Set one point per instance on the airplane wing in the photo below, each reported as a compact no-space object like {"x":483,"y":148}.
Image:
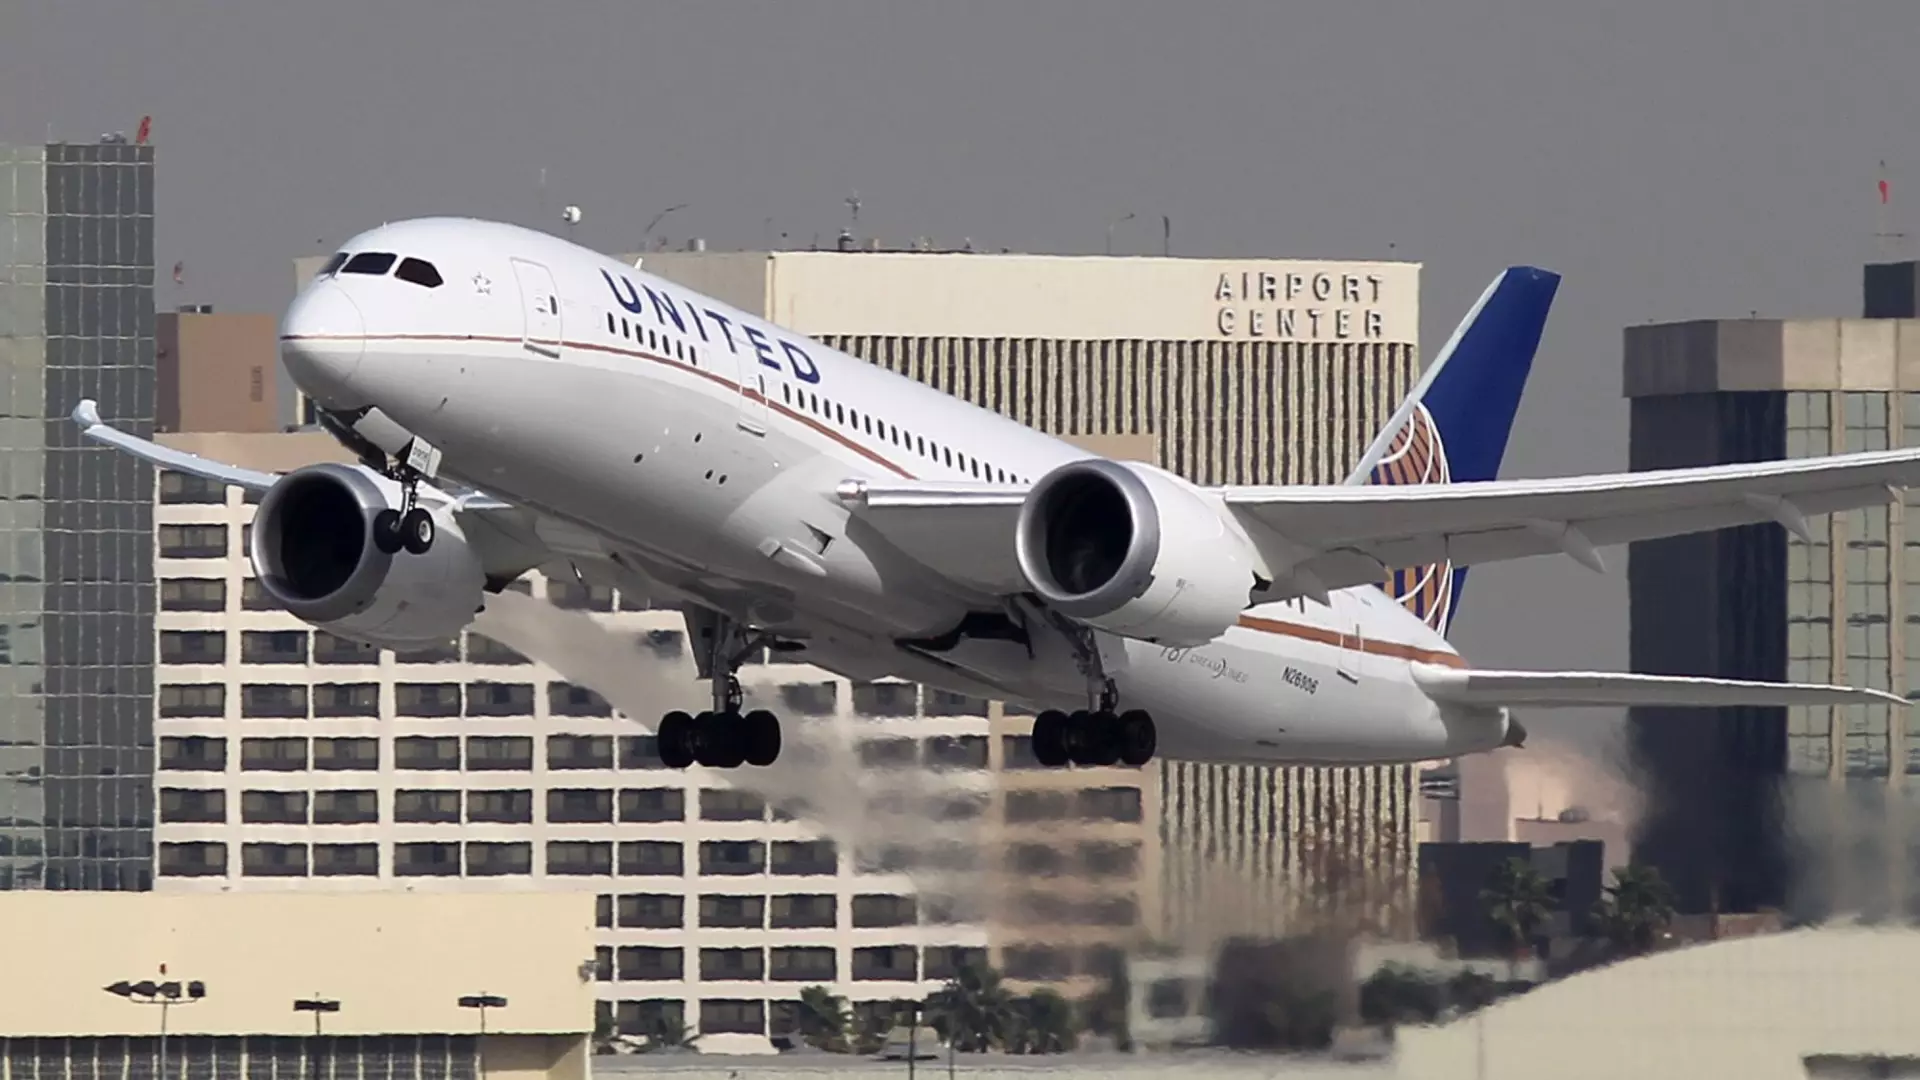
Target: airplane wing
{"x":1577,"y":689}
{"x":1319,"y":538}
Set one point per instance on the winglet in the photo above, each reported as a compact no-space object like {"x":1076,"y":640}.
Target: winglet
{"x":87,"y":413}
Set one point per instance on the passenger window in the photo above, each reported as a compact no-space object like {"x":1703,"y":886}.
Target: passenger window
{"x":949,"y":457}
{"x":419,"y":272}
{"x":840,"y":412}
{"x":369,"y":262}
{"x":333,"y":265}
{"x":609,"y":322}
{"x":786,"y":393}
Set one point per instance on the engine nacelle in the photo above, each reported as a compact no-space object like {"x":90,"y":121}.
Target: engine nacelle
{"x":314,"y":553}
{"x":1135,"y":550}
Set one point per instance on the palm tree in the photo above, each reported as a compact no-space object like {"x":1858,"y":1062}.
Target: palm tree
{"x":1104,"y":1012}
{"x":1043,"y":1024}
{"x":1635,"y":910}
{"x":663,"y":1032}
{"x":603,"y":1030}
{"x":973,"y":1010}
{"x":825,"y":1022}
{"x":1518,"y":901}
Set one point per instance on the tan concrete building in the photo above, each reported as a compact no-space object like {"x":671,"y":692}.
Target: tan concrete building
{"x":396,"y":964}
{"x":216,"y":371}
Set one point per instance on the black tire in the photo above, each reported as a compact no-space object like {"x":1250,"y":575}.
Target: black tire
{"x":416,"y":531}
{"x":720,"y":744}
{"x":676,"y":740}
{"x":1100,"y":741}
{"x":1050,"y":738}
{"x":1139,"y":738}
{"x":760,"y":736}
{"x":386,"y":532}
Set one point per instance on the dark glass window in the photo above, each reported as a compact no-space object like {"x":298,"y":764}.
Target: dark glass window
{"x":369,"y":262}
{"x":333,"y":265}
{"x":418,"y":271}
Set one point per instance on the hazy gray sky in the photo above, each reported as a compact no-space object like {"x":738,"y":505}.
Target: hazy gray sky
{"x":1672,"y":159}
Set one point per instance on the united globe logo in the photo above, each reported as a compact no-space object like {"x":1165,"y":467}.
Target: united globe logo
{"x":1418,"y":456}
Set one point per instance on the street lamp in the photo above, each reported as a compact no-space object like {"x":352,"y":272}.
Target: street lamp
{"x":318,"y":1006}
{"x":164,"y":994}
{"x":483,"y":1002}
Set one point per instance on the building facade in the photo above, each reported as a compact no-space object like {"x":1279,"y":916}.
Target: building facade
{"x":217,"y":371}
{"x":76,"y":569}
{"x":1756,"y":808}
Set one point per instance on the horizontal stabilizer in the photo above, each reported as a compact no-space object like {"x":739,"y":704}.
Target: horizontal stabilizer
{"x":1577,"y":689}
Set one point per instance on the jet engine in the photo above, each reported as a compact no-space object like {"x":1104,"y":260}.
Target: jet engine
{"x":1136,"y":551}
{"x":313,"y":550}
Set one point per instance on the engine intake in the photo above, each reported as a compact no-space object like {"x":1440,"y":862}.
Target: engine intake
{"x":1136,"y":551}
{"x":314,"y":554}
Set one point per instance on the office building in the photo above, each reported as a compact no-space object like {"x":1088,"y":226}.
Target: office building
{"x":1733,"y":792}
{"x":76,"y":521}
{"x":296,"y":986}
{"x":217,"y":371}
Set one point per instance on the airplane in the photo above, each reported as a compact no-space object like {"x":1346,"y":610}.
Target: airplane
{"x":516,"y":402}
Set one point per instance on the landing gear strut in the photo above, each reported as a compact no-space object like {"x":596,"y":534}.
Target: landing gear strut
{"x":722,"y":738}
{"x":1096,"y":737}
{"x":411,"y":526}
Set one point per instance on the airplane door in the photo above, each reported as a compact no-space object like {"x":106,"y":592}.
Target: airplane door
{"x":754,"y":388}
{"x":540,"y":303}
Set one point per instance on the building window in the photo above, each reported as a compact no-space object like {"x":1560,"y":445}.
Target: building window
{"x":273,"y":860}
{"x":193,"y":541}
{"x":255,"y":598}
{"x":193,"y":753}
{"x":640,"y":752}
{"x":947,"y":703}
{"x":652,"y":804}
{"x":204,"y":700}
{"x":1038,"y":963}
{"x":733,"y":912}
{"x":579,"y":806}
{"x":274,"y":807}
{"x":566,"y":699}
{"x":178,"y":487}
{"x":345,"y":807}
{"x":1024,"y":807}
{"x":334,"y":649}
{"x":426,"y":806}
{"x":1035,"y":860}
{"x":1106,"y":859}
{"x":500,"y":807}
{"x":886,"y":963}
{"x":725,"y":1016}
{"x":652,"y":911}
{"x":882,"y":910}
{"x":346,"y":860}
{"x":579,"y":857}
{"x":733,"y":857}
{"x":948,"y":961}
{"x":1016,"y":752}
{"x":886,"y":699}
{"x":731,"y":804}
{"x":804,"y":911}
{"x":810,"y":699}
{"x":446,"y":652}
{"x":648,"y":963}
{"x":354,"y":753}
{"x":575,"y":596}
{"x":427,"y":700}
{"x":193,"y":806}
{"x":193,"y":647}
{"x":652,"y":858}
{"x":892,"y":753}
{"x":273,"y":755}
{"x":957,"y":752}
{"x":426,"y":752}
{"x":426,"y":860}
{"x":482,"y":649}
{"x":193,"y":594}
{"x":499,"y":753}
{"x":1110,"y":804}
{"x":283,"y":701}
{"x":499,"y":699}
{"x":720,"y":965}
{"x":346,"y":699}
{"x":805,"y":858}
{"x":579,"y":751}
{"x":199,"y":859}
{"x":273,"y":646}
{"x":489,"y":859}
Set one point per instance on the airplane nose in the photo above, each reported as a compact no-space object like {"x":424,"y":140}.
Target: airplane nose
{"x":322,"y":338}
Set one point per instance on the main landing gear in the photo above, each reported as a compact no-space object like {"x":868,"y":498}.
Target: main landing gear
{"x":1099,"y":737}
{"x":722,"y":738}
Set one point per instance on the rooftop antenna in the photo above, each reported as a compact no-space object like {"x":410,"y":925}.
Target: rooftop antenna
{"x":656,"y":220}
{"x":1166,"y":234}
{"x":1122,"y":219}
{"x":1884,"y":233}
{"x":853,"y":204}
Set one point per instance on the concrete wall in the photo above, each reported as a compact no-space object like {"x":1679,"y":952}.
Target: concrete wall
{"x":1708,"y":355}
{"x":217,"y":372}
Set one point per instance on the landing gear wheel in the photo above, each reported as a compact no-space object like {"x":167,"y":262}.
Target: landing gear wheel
{"x":760,"y":737}
{"x":718,"y":743}
{"x":386,"y":532}
{"x":1050,"y":738}
{"x":416,"y":530}
{"x":1138,"y":738}
{"x":1099,"y":740}
{"x":676,"y":740}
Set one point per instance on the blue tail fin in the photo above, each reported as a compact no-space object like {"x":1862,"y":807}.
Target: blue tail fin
{"x":1453,"y":426}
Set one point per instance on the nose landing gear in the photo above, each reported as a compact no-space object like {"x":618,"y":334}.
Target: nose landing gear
{"x":411,"y":527}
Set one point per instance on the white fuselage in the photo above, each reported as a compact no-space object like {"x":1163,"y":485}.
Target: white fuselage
{"x":704,"y":446}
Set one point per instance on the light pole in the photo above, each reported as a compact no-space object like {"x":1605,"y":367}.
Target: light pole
{"x":483,"y":1002}
{"x":319,"y":1007}
{"x":164,"y":994}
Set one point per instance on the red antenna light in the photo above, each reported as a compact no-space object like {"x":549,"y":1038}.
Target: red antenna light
{"x":1885,"y":189}
{"x":146,"y":129}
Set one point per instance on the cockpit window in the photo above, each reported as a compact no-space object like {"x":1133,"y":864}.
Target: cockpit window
{"x":418,"y":271}
{"x":333,"y":264}
{"x":369,"y":262}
